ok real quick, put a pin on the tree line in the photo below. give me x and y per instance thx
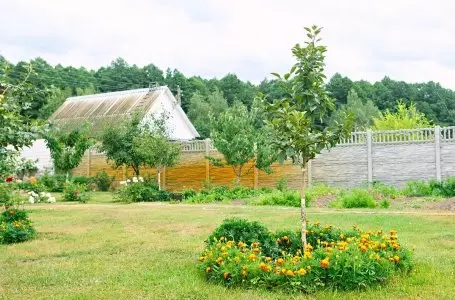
(48, 86)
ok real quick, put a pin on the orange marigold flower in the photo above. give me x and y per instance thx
(241, 244)
(301, 272)
(252, 257)
(307, 254)
(256, 250)
(393, 232)
(363, 248)
(280, 261)
(383, 246)
(265, 267)
(202, 258)
(289, 273)
(309, 248)
(219, 260)
(224, 254)
(268, 259)
(325, 263)
(227, 275)
(230, 244)
(396, 258)
(342, 236)
(329, 249)
(255, 245)
(208, 269)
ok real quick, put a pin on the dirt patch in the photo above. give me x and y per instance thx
(446, 205)
(323, 202)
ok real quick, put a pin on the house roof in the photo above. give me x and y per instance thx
(100, 110)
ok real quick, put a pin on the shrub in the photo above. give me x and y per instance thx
(286, 198)
(246, 231)
(188, 193)
(448, 187)
(384, 203)
(103, 181)
(337, 260)
(6, 194)
(282, 184)
(355, 198)
(75, 192)
(82, 180)
(417, 188)
(15, 227)
(383, 190)
(54, 183)
(212, 193)
(138, 191)
(35, 197)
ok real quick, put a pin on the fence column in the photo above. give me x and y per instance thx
(437, 142)
(370, 156)
(207, 163)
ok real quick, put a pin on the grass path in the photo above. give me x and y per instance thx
(148, 251)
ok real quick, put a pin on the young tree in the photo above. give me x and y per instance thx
(156, 149)
(117, 143)
(404, 118)
(67, 148)
(298, 120)
(235, 136)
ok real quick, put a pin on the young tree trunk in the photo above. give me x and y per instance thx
(303, 209)
(67, 176)
(159, 178)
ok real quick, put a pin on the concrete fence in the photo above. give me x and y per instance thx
(393, 157)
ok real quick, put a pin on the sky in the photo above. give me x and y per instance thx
(405, 40)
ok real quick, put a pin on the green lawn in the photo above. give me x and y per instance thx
(149, 251)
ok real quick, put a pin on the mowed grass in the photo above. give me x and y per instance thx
(149, 251)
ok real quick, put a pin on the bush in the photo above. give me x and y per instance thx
(15, 227)
(384, 203)
(188, 193)
(83, 180)
(354, 198)
(448, 187)
(75, 192)
(54, 183)
(243, 230)
(336, 260)
(139, 191)
(103, 181)
(282, 184)
(286, 198)
(383, 190)
(211, 193)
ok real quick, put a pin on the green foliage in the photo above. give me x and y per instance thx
(320, 190)
(15, 226)
(355, 198)
(384, 203)
(188, 193)
(334, 259)
(213, 193)
(362, 112)
(202, 108)
(142, 191)
(282, 198)
(75, 192)
(154, 146)
(249, 232)
(25, 167)
(6, 194)
(381, 190)
(103, 181)
(445, 188)
(282, 184)
(53, 183)
(235, 135)
(405, 117)
(67, 148)
(296, 119)
(83, 180)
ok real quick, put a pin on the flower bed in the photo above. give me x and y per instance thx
(333, 259)
(15, 226)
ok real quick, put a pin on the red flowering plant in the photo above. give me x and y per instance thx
(75, 192)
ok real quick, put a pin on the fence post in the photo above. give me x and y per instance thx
(437, 142)
(89, 161)
(207, 163)
(370, 156)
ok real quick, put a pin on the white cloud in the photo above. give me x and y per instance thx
(406, 40)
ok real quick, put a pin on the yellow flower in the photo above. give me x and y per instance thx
(309, 248)
(265, 267)
(255, 245)
(244, 273)
(237, 259)
(202, 258)
(393, 232)
(219, 260)
(342, 236)
(383, 246)
(230, 244)
(325, 263)
(280, 261)
(289, 273)
(256, 250)
(302, 272)
(241, 244)
(223, 248)
(307, 254)
(363, 249)
(224, 254)
(268, 259)
(252, 257)
(227, 275)
(208, 269)
(396, 258)
(222, 238)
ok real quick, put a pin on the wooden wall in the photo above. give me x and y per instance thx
(192, 171)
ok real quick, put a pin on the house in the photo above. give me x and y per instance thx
(101, 110)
